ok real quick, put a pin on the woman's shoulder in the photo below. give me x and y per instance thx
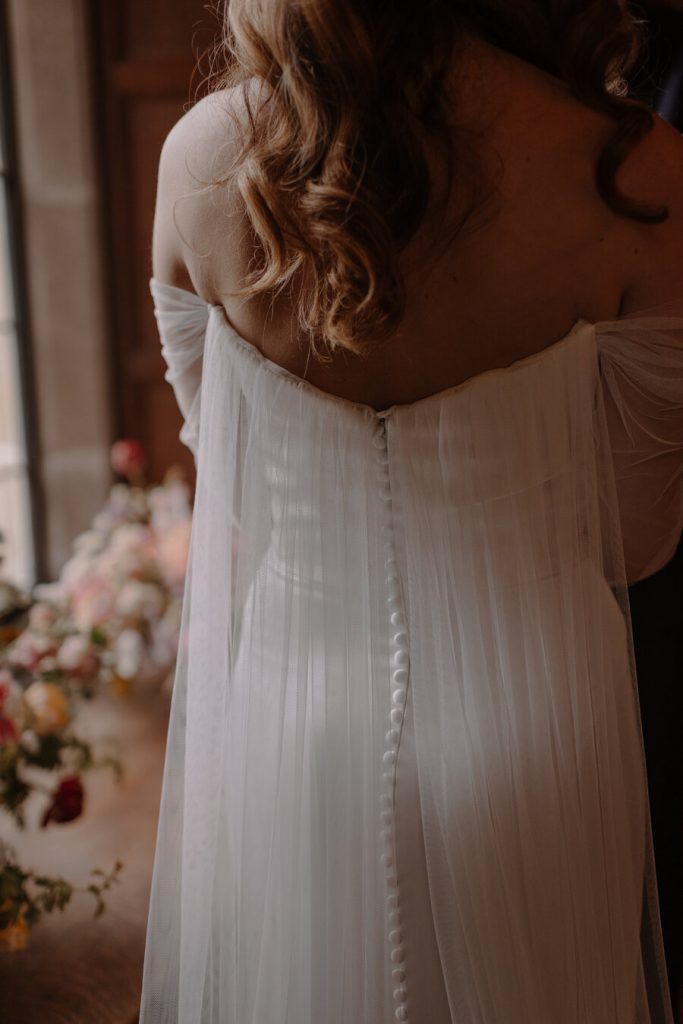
(197, 211)
(208, 131)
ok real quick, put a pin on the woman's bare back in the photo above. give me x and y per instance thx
(508, 287)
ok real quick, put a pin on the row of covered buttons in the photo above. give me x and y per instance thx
(399, 689)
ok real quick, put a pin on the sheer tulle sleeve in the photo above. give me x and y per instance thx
(641, 363)
(182, 319)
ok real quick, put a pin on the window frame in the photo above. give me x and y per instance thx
(18, 325)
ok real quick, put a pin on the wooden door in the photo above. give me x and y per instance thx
(150, 61)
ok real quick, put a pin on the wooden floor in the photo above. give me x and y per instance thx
(78, 969)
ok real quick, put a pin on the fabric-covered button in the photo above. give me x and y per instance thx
(399, 678)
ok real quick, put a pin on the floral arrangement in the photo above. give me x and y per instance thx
(121, 591)
(25, 896)
(112, 618)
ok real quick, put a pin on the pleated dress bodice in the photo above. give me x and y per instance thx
(404, 776)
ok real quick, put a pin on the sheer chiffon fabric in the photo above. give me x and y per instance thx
(404, 776)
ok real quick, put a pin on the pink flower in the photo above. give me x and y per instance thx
(92, 601)
(29, 649)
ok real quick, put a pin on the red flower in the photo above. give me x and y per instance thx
(8, 730)
(67, 801)
(128, 459)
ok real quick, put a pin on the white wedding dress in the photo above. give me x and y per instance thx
(405, 777)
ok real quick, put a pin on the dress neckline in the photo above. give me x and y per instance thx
(370, 411)
(652, 316)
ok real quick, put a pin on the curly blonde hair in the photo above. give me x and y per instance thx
(331, 162)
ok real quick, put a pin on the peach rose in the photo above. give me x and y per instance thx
(48, 706)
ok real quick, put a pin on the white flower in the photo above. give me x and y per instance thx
(73, 651)
(164, 646)
(169, 504)
(30, 741)
(128, 653)
(76, 655)
(90, 542)
(130, 536)
(123, 505)
(138, 600)
(53, 593)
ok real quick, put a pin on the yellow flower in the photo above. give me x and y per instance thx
(15, 935)
(48, 706)
(121, 687)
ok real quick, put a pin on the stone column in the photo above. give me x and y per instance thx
(60, 197)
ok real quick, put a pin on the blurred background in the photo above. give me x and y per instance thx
(88, 91)
(90, 88)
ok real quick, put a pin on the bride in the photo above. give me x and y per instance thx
(418, 276)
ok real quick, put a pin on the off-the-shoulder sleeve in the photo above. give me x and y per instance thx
(182, 318)
(641, 368)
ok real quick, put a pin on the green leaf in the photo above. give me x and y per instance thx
(98, 636)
